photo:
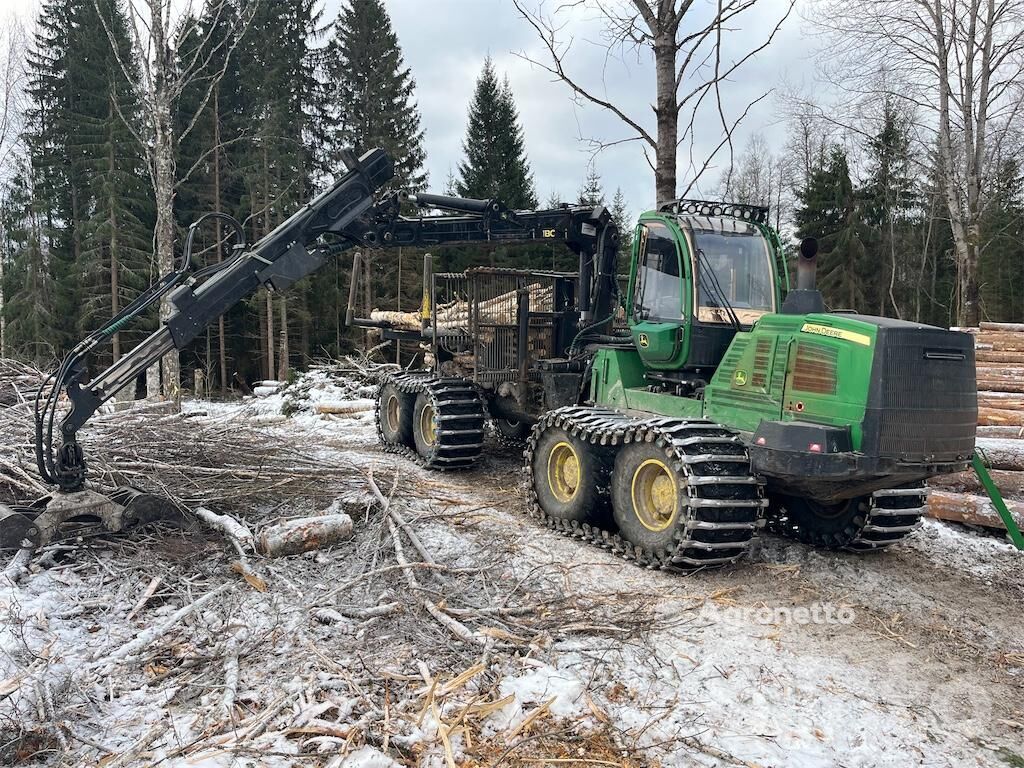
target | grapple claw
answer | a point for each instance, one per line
(125, 508)
(16, 527)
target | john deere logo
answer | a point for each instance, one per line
(739, 378)
(644, 341)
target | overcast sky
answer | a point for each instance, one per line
(445, 42)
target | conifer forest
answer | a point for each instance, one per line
(511, 383)
(116, 137)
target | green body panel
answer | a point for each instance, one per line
(759, 378)
(617, 381)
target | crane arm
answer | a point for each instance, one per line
(350, 211)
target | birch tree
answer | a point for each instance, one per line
(957, 65)
(685, 43)
(157, 28)
(13, 45)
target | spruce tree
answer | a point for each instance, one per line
(117, 228)
(620, 215)
(889, 202)
(495, 164)
(591, 192)
(829, 211)
(373, 92)
(57, 188)
(28, 282)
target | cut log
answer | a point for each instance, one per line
(1002, 454)
(1011, 327)
(1005, 431)
(997, 417)
(1001, 385)
(1008, 483)
(1002, 342)
(296, 536)
(971, 509)
(986, 356)
(342, 407)
(1006, 371)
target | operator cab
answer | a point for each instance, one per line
(703, 273)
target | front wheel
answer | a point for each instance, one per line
(647, 498)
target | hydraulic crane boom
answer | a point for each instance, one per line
(351, 213)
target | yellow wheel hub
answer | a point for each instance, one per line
(563, 472)
(655, 495)
(392, 411)
(427, 429)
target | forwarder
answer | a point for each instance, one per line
(724, 400)
(664, 423)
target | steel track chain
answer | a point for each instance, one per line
(457, 402)
(891, 516)
(706, 454)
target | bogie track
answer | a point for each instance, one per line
(719, 500)
(447, 420)
(864, 524)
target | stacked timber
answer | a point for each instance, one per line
(499, 310)
(999, 352)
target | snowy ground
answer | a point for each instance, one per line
(795, 657)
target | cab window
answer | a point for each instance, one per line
(735, 270)
(658, 290)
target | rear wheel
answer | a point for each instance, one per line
(820, 524)
(863, 524)
(569, 477)
(394, 412)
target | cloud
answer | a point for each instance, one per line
(445, 42)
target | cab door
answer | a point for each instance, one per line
(658, 297)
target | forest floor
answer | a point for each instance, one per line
(452, 629)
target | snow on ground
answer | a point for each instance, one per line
(795, 658)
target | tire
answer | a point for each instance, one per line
(570, 478)
(512, 431)
(830, 526)
(648, 497)
(394, 413)
(424, 425)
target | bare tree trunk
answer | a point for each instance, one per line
(115, 289)
(689, 70)
(164, 177)
(221, 344)
(282, 357)
(667, 111)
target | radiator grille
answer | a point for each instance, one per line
(814, 368)
(923, 404)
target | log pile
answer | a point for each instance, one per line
(999, 353)
(500, 310)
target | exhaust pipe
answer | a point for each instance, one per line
(805, 298)
(807, 265)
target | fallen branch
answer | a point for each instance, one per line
(16, 569)
(151, 635)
